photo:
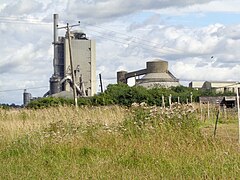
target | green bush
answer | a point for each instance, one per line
(122, 94)
(102, 99)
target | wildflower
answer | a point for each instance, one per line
(143, 104)
(135, 104)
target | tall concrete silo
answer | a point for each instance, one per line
(26, 97)
(83, 53)
(84, 61)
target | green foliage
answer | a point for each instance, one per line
(47, 102)
(122, 94)
(101, 99)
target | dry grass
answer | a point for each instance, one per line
(112, 143)
(14, 123)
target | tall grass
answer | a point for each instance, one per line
(112, 143)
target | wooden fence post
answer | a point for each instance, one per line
(208, 110)
(191, 97)
(200, 104)
(163, 102)
(170, 101)
(215, 129)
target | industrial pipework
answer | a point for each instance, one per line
(156, 73)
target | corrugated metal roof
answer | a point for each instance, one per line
(210, 99)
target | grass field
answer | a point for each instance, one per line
(116, 143)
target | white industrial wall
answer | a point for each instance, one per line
(84, 57)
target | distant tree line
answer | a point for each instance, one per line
(9, 106)
(122, 94)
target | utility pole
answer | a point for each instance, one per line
(71, 61)
(101, 85)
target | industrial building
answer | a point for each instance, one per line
(83, 55)
(216, 86)
(196, 84)
(155, 75)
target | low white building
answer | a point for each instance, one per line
(196, 84)
(217, 86)
(221, 86)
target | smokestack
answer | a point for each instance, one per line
(55, 41)
(55, 25)
(55, 79)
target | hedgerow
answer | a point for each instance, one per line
(122, 94)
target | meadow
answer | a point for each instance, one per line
(116, 142)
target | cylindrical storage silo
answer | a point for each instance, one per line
(157, 66)
(26, 97)
(55, 85)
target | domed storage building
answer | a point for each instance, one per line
(155, 75)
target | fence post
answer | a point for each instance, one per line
(215, 129)
(208, 110)
(163, 102)
(224, 111)
(191, 97)
(238, 110)
(170, 100)
(200, 104)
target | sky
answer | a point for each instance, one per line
(200, 39)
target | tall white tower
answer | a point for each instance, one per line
(84, 62)
(83, 53)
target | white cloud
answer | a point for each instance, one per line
(230, 6)
(207, 73)
(107, 9)
(22, 7)
(139, 35)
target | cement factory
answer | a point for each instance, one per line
(74, 65)
(83, 52)
(83, 55)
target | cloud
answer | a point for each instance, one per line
(127, 35)
(107, 9)
(22, 7)
(230, 32)
(207, 73)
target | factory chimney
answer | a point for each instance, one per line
(55, 79)
(55, 40)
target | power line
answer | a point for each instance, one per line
(136, 42)
(38, 22)
(122, 42)
(124, 34)
(35, 21)
(11, 90)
